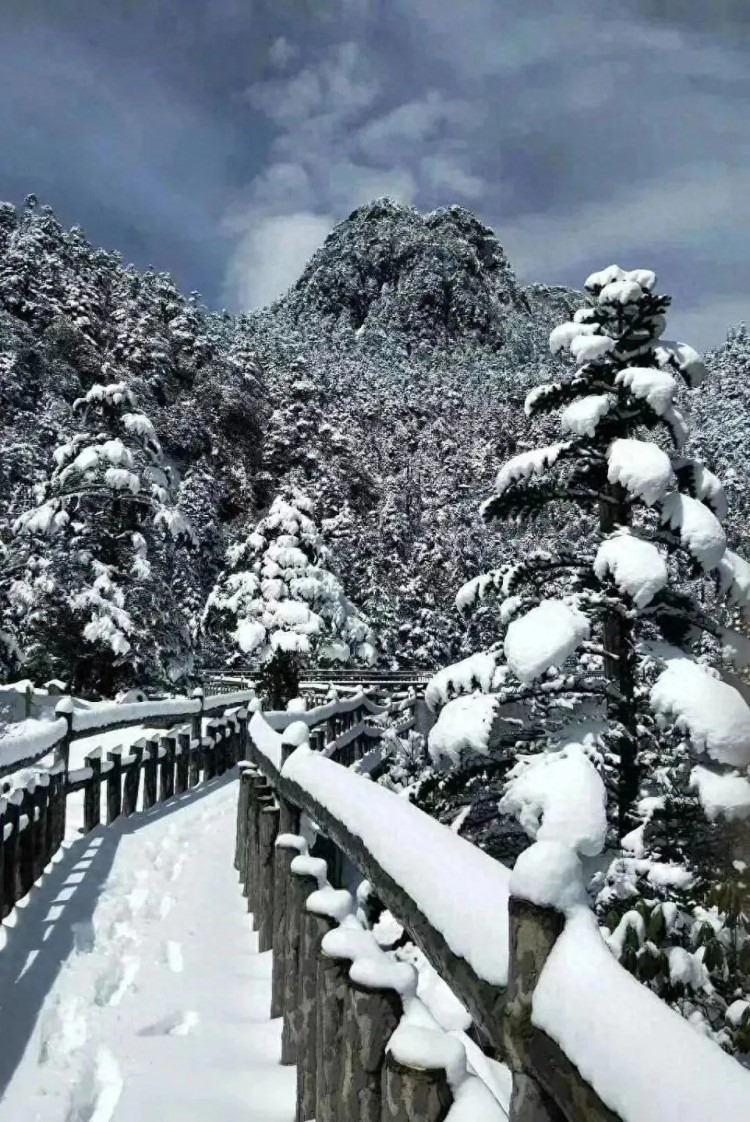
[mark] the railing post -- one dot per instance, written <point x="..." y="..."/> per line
<point x="92" y="792"/>
<point x="268" y="824"/>
<point x="10" y="854"/>
<point x="197" y="718"/>
<point x="25" y="867"/>
<point x="257" y="791"/>
<point x="39" y="823"/>
<point x="183" y="761"/>
<point x="114" y="785"/>
<point x="150" y="768"/>
<point x="287" y="847"/>
<point x="323" y="910"/>
<point x="166" y="770"/>
<point x="132" y="780"/>
<point x="307" y="875"/>
<point x="64" y="708"/>
<point x="534" y="930"/>
<point x="242" y="816"/>
<point x="194" y="765"/>
<point x="423" y="1092"/>
<point x="242" y="723"/>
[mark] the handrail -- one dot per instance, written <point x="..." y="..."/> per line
<point x="492" y="943"/>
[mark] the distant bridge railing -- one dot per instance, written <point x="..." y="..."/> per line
<point x="584" y="1040"/>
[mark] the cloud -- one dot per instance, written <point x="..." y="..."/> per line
<point x="339" y="142"/>
<point x="281" y="53"/>
<point x="271" y="253"/>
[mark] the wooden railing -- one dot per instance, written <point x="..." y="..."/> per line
<point x="155" y="768"/>
<point x="349" y="1025"/>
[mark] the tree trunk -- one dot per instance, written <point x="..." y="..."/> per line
<point x="617" y="641"/>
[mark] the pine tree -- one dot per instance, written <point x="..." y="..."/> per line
<point x="280" y="602"/>
<point x="100" y="605"/>
<point x="629" y="628"/>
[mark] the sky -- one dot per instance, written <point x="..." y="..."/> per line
<point x="222" y="139"/>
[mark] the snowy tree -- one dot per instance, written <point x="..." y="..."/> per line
<point x="280" y="602"/>
<point x="99" y="603"/>
<point x="631" y="629"/>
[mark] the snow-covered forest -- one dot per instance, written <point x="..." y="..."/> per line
<point x="531" y="495"/>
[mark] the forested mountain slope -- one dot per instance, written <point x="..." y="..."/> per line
<point x="388" y="382"/>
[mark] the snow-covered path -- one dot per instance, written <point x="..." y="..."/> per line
<point x="131" y="988"/>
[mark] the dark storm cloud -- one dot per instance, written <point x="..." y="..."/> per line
<point x="222" y="139"/>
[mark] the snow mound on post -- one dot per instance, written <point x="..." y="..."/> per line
<point x="641" y="468"/>
<point x="700" y="531"/>
<point x="549" y="874"/>
<point x="667" y="1072"/>
<point x="544" y="637"/>
<point x="710" y="711"/>
<point x="581" y="417"/>
<point x="523" y="466"/>
<point x="636" y="567"/>
<point x="474" y="673"/>
<point x="727" y="795"/>
<point x="559" y="796"/>
<point x="464" y="724"/>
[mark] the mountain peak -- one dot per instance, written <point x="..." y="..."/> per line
<point x="437" y="278"/>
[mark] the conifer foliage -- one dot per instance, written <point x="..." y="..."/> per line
<point x="631" y="630"/>
<point x="280" y="602"/>
<point x="96" y="595"/>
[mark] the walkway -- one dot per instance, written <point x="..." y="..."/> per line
<point x="132" y="990"/>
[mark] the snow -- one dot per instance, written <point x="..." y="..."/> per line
<point x="707" y="486"/>
<point x="562" y="336"/>
<point x="475" y="672"/>
<point x="549" y="874"/>
<point x="132" y="985"/>
<point x="544" y="637"/>
<point x="474" y="1102"/>
<point x="636" y="566"/>
<point x="613" y="273"/>
<point x="464" y="724"/>
<point x="700" y="530"/>
<point x="559" y="796"/>
<point x="642" y="468"/>
<point x="734" y="578"/>
<point x="621" y="292"/>
<point x="720" y="794"/>
<point x="656" y="387"/>
<point x="713" y="713"/>
<point x="684" y="358"/>
<point x="29" y="740"/>
<point x="107" y="713"/>
<point x="534" y="462"/>
<point x="642" y="1059"/>
<point x="581" y="417"/>
<point x="428" y="1050"/>
<point x="474" y="590"/>
<point x="587" y="348"/>
<point x="451" y="888"/>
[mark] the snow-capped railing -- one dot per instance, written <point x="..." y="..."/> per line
<point x="33" y="817"/>
<point x="30" y="741"/>
<point x="522" y="953"/>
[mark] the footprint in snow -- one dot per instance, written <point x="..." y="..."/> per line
<point x="176" y="1024"/>
<point x="112" y="985"/>
<point x="97" y="1093"/>
<point x="173" y="956"/>
<point x="63" y="1029"/>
